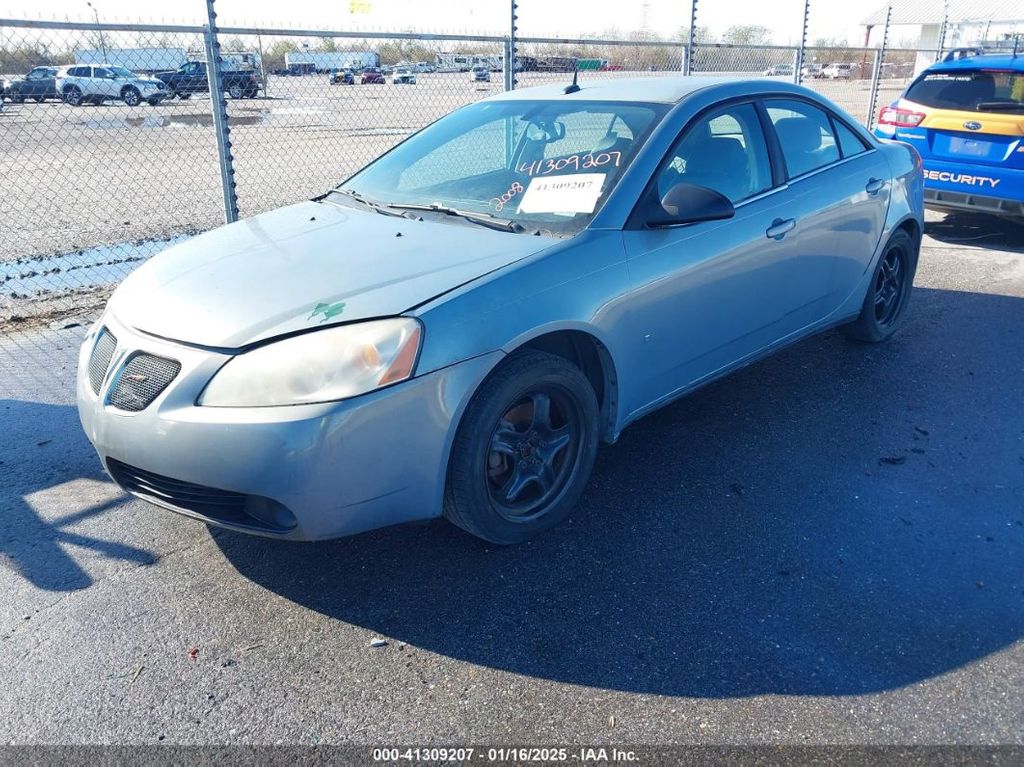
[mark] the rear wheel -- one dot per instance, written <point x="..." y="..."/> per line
<point x="889" y="292"/>
<point x="131" y="96"/>
<point x="524" y="450"/>
<point x="235" y="91"/>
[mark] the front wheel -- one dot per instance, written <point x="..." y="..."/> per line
<point x="235" y="91"/>
<point x="524" y="449"/>
<point x="886" y="301"/>
<point x="73" y="96"/>
<point x="131" y="97"/>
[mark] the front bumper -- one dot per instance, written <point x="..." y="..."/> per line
<point x="337" y="468"/>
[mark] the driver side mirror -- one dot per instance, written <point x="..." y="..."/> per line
<point x="689" y="204"/>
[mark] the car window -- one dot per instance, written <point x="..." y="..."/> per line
<point x="850" y="143"/>
<point x="724" y="151"/>
<point x="99" y="72"/>
<point x="805" y="135"/>
<point x="590" y="132"/>
<point x="493" y="158"/>
<point x="971" y="90"/>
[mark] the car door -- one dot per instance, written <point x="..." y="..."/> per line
<point x="839" y="191"/>
<point x="705" y="296"/>
<point x="102" y="83"/>
<point x="35" y="83"/>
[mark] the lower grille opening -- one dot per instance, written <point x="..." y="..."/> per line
<point x="229" y="508"/>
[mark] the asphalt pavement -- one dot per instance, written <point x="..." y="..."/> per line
<point x="826" y="547"/>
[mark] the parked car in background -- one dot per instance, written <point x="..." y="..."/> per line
<point x="779" y="70"/>
<point x="191" y="78"/>
<point x="372" y="76"/>
<point x="38" y="85"/>
<point x="79" y="85"/>
<point x="403" y="77"/>
<point x="811" y="71"/>
<point x="965" y="117"/>
<point x="455" y="328"/>
<point x="479" y="74"/>
<point x="839" y="71"/>
<point x="5" y="86"/>
<point x="343" y="77"/>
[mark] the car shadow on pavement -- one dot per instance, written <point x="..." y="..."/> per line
<point x="964" y="229"/>
<point x="836" y="520"/>
<point x="43" y="449"/>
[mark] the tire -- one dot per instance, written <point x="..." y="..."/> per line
<point x="235" y="91"/>
<point x="182" y="95"/>
<point x="251" y="93"/>
<point x="73" y="96"/>
<point x="131" y="96"/>
<point x="888" y="293"/>
<point x="500" y="494"/>
<point x="153" y="101"/>
<point x="17" y="99"/>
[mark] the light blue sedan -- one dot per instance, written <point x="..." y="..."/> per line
<point x="453" y="330"/>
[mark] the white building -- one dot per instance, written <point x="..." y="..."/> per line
<point x="967" y="23"/>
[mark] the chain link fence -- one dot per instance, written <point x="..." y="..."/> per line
<point x="114" y="149"/>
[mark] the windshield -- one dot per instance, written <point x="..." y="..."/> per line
<point x="538" y="165"/>
<point x="121" y="72"/>
<point x="971" y="90"/>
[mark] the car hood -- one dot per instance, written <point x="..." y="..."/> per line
<point x="306" y="265"/>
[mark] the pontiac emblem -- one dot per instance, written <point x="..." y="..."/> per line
<point x="972" y="125"/>
<point x="137" y="378"/>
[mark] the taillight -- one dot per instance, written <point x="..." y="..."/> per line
<point x="903" y="118"/>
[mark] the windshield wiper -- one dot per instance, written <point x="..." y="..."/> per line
<point x="1000" y="106"/>
<point x="484" y="219"/>
<point x="382" y="208"/>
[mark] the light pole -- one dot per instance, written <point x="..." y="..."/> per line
<point x="103" y="42"/>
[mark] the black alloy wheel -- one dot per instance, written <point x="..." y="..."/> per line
<point x="534" y="447"/>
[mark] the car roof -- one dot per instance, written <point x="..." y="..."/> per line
<point x="666" y="90"/>
<point x="987" y="61"/>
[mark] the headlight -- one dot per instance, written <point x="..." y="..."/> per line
<point x="320" y="366"/>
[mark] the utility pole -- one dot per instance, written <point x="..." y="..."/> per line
<point x="103" y="41"/>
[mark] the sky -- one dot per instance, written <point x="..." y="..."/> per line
<point x="541" y="18"/>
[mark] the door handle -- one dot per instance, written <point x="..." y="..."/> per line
<point x="874" y="185"/>
<point x="779" y="228"/>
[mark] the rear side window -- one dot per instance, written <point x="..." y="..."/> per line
<point x="78" y="72"/>
<point x="970" y="90"/>
<point x="805" y="134"/>
<point x="850" y="143"/>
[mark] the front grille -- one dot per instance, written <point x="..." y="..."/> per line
<point x="102" y="353"/>
<point x="141" y="380"/>
<point x="217" y="505"/>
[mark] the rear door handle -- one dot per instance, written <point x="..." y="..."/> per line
<point x="874" y="186"/>
<point x="779" y="228"/>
